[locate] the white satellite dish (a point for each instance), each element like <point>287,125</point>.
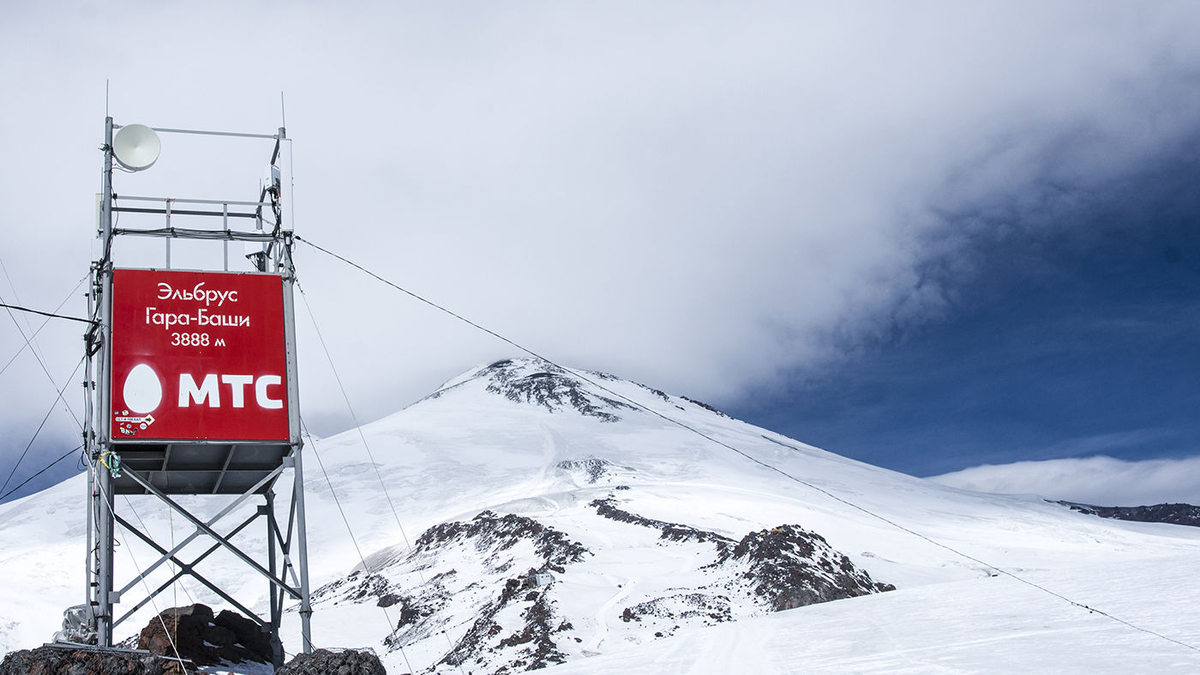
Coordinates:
<point>136,147</point>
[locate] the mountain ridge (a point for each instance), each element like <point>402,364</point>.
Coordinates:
<point>515,438</point>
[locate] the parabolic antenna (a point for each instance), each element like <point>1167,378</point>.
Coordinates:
<point>136,147</point>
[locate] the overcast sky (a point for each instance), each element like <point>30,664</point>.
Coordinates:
<point>927,235</point>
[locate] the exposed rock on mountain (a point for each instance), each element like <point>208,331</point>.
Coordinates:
<point>87,661</point>
<point>789,567</point>
<point>592,470</point>
<point>503,564</point>
<point>550,387</point>
<point>501,574</point>
<point>490,531</point>
<point>706,406</point>
<point>492,641</point>
<point>781,568</point>
<point>670,531</point>
<point>340,662</point>
<point>1178,514</point>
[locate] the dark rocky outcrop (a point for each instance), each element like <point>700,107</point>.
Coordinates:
<point>591,469</point>
<point>510,571</point>
<point>682,607</point>
<point>532,647</point>
<point>706,406</point>
<point>206,639</point>
<point>670,531</point>
<point>493,545</point>
<point>326,662</point>
<point>87,661</point>
<point>489,531</point>
<point>784,567</point>
<point>1177,514</point>
<point>550,387</point>
<point>791,567</point>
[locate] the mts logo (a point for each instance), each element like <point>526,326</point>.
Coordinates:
<point>210,388</point>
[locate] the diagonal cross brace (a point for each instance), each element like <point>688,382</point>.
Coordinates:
<point>184,569</point>
<point>285,544</point>
<point>211,521</point>
<point>200,525</point>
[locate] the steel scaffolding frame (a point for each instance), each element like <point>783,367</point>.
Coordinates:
<point>246,469</point>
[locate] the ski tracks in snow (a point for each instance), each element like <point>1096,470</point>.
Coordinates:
<point>602,615</point>
<point>625,586</point>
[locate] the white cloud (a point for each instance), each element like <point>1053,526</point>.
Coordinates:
<point>1101,481</point>
<point>703,196</point>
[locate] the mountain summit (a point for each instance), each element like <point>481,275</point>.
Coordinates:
<point>547,385</point>
<point>526,515</point>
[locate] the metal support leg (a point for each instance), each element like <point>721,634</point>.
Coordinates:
<point>104,577</point>
<point>89,444</point>
<point>89,591</point>
<point>276,604</point>
<point>302,551</point>
<point>102,499</point>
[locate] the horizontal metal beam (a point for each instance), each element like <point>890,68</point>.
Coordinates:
<point>183,212</point>
<point>197,132</point>
<point>231,134</point>
<point>192,233</point>
<point>137,443</point>
<point>179,200</point>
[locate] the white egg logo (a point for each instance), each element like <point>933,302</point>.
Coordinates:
<point>143,391</point>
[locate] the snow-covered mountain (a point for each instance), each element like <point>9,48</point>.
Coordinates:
<point>535,515</point>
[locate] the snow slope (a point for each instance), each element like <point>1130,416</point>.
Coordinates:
<point>525,440</point>
<point>989,625</point>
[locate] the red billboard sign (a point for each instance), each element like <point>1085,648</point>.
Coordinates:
<point>198,356</point>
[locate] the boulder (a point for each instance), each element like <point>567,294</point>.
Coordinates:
<point>325,662</point>
<point>207,640</point>
<point>86,661</point>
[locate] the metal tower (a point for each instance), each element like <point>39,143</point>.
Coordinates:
<point>191,387</point>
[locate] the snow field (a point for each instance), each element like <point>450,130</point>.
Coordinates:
<point>451,457</point>
<point>984,625</point>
